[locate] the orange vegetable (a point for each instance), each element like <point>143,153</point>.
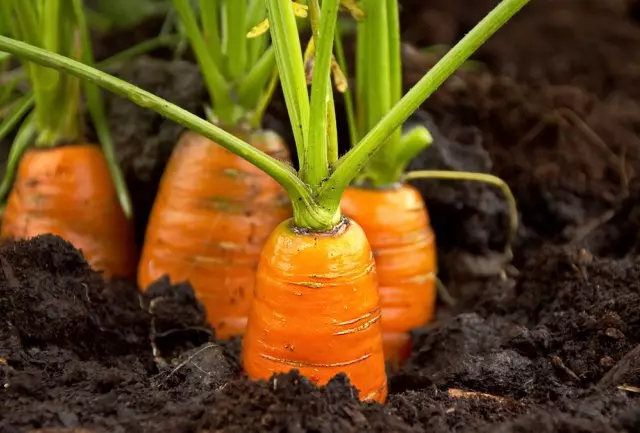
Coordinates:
<point>68,191</point>
<point>396,223</point>
<point>211,217</point>
<point>316,309</point>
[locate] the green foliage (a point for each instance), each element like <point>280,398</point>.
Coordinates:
<point>237,69</point>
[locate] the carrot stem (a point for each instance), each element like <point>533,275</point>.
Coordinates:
<point>256,46</point>
<point>217,87</point>
<point>348,93</point>
<point>95,104</point>
<point>354,161</point>
<point>285,39</point>
<point>258,114</point>
<point>409,146</point>
<point>236,12</point>
<point>316,168</point>
<point>316,207</point>
<point>23,139</point>
<point>477,177</point>
<point>282,173</point>
<point>210,17</point>
<point>23,107</point>
<point>252,85</point>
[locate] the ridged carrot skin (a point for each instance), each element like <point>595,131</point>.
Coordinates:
<point>396,223</point>
<point>68,191</point>
<point>316,309</point>
<point>211,217</point>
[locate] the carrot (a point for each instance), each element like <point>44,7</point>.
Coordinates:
<point>67,191</point>
<point>392,213</point>
<point>319,319</point>
<point>315,276</point>
<point>211,217</point>
<point>214,210</point>
<point>75,191</point>
<point>397,226</point>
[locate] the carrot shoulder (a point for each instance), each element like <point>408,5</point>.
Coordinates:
<point>396,223</point>
<point>68,191</point>
<point>316,309</point>
<point>211,217</point>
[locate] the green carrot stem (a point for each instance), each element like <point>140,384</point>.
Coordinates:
<point>278,170</point>
<point>315,208</point>
<point>23,107</point>
<point>236,11</point>
<point>22,141</point>
<point>285,39</point>
<point>251,86</point>
<point>256,118</point>
<point>210,17</point>
<point>349,165</point>
<point>395,54</point>
<point>348,93</point>
<point>255,46</point>
<point>214,79</point>
<point>95,104</point>
<point>409,146</point>
<point>316,168</point>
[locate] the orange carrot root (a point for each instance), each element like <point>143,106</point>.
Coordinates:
<point>68,191</point>
<point>316,309</point>
<point>211,217</point>
<point>396,223</point>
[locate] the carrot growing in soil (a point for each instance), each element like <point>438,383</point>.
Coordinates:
<point>316,305</point>
<point>391,212</point>
<point>214,210</point>
<point>63,184</point>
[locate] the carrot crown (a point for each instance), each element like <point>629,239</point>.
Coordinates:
<point>239,72</point>
<point>379,88</point>
<point>316,190</point>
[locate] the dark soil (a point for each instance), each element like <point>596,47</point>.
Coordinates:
<point>548,343</point>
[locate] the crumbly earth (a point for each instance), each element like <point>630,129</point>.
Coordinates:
<point>549,343</point>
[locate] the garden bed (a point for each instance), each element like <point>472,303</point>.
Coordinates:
<point>550,343</point>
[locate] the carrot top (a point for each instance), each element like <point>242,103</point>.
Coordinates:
<point>54,112</point>
<point>379,88</point>
<point>239,72</point>
<point>316,190</point>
